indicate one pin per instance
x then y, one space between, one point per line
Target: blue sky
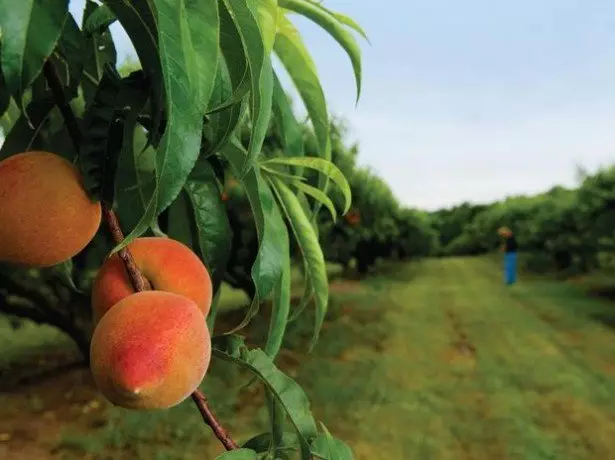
473 100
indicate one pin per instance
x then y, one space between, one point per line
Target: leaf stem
139 282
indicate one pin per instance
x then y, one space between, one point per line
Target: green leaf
277 417
26 133
261 75
317 195
279 313
139 21
300 66
310 249
212 225
5 94
290 130
267 16
238 454
273 251
99 51
135 175
235 61
133 96
204 24
349 22
327 447
327 168
102 141
180 144
285 390
64 273
29 32
71 56
222 124
100 19
308 292
213 311
334 27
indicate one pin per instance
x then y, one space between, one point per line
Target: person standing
509 247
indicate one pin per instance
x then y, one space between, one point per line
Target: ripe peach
46 216
150 351
167 264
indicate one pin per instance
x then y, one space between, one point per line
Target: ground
432 360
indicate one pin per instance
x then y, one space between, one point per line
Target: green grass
437 360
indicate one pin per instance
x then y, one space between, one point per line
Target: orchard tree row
567 230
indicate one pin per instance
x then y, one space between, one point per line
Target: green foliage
160 137
562 229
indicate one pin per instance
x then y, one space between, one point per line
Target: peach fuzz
167 264
150 351
46 216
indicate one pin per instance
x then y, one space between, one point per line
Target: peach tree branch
139 282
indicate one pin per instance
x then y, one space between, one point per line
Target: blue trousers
510 267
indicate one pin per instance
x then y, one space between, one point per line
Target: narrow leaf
238 454
139 21
100 19
180 144
29 32
99 52
317 195
285 390
327 168
102 140
279 313
211 220
327 447
332 25
300 66
273 251
310 249
290 130
204 24
261 75
25 134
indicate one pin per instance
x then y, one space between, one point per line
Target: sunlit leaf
310 250
327 168
300 66
334 27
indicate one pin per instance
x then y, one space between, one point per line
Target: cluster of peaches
150 349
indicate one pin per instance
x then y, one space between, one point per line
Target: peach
46 216
167 264
150 351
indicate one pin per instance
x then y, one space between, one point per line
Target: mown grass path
425 361
448 363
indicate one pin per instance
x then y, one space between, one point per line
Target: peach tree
154 149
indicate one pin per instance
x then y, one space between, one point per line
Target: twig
225 438
139 282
